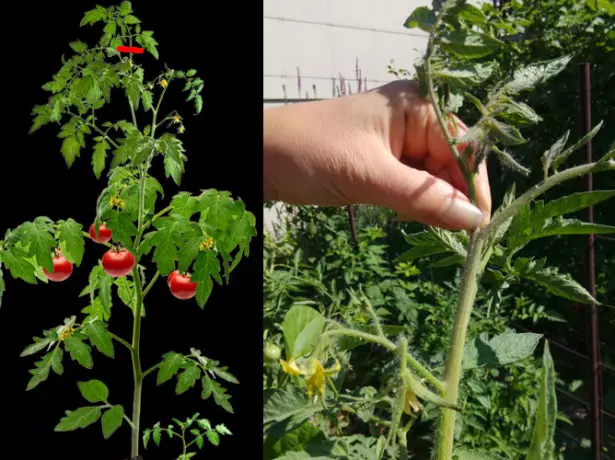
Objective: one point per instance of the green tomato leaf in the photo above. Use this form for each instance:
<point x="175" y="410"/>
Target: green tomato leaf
<point x="221" y="398"/>
<point x="561" y="157"/>
<point x="111" y="420"/>
<point x="501" y="350"/>
<point x="80" y="418"/>
<point x="2" y="284"/>
<point x="561" y="284"/>
<point x="36" y="235"/>
<point x="78" y="46"/>
<point x="529" y="77"/>
<point x="126" y="292"/>
<point x="100" y="338"/>
<point x="302" y="326"/>
<point x="52" y="360"/>
<point x="289" y="405"/>
<point x="467" y="75"/>
<point x="203" y="291"/>
<point x="94" y="391"/>
<point x="506" y="134"/>
<point x="38" y="345"/>
<point x="99" y="156"/>
<point x="170" y="366"/>
<point x="125" y="8"/>
<point x="517" y="113"/>
<point x="472" y="14"/>
<point x="79" y="351"/>
<point x="543" y="445"/>
<point x="213" y="437"/>
<point x="15" y="259"/>
<point x="147" y="41"/>
<point x="93" y="16"/>
<point x="147" y="100"/>
<point x="422" y="18"/>
<point x="70" y="149"/>
<point x="70" y="234"/>
<point x="146" y="435"/>
<point x="106" y="281"/>
<point x="187" y="379"/>
<point x="469" y="44"/>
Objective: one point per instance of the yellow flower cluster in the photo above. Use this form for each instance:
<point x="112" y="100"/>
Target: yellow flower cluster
<point x="207" y="244"/>
<point x="315" y="374"/>
<point x="65" y="333"/>
<point x="164" y="83"/>
<point x="117" y="202"/>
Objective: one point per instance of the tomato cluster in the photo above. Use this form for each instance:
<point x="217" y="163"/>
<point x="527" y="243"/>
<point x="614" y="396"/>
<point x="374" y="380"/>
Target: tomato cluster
<point x="118" y="262"/>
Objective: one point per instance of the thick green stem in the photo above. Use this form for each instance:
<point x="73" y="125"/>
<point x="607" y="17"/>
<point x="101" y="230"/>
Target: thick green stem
<point x="362" y="335"/>
<point x="468" y="175"/>
<point x="136" y="332"/>
<point x="136" y="366"/>
<point x="452" y="373"/>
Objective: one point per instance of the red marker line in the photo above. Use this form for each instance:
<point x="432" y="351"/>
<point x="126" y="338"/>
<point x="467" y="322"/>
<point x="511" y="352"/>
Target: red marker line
<point x="130" y="49"/>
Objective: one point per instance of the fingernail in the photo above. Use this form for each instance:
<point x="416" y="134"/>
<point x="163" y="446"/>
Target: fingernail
<point x="463" y="214"/>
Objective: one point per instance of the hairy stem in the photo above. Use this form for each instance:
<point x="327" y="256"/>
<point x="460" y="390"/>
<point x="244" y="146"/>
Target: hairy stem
<point x="136" y="365"/>
<point x="452" y="373"/>
<point x="423" y="372"/>
<point x="386" y="343"/>
<point x="468" y="175"/>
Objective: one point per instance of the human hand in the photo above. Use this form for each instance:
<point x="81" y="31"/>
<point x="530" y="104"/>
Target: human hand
<point x="382" y="147"/>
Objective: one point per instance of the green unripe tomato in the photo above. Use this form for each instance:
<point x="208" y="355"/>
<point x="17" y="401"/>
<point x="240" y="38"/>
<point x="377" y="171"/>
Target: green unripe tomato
<point x="271" y="352"/>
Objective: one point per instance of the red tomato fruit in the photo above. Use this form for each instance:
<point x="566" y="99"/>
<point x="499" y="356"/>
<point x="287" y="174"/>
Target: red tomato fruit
<point x="182" y="287"/>
<point x="171" y="276"/>
<point x="118" y="263"/>
<point x="104" y="234"/>
<point x="62" y="269"/>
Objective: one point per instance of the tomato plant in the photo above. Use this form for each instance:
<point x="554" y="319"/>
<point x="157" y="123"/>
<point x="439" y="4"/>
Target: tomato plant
<point x="205" y="234"/>
<point x="439" y="375"/>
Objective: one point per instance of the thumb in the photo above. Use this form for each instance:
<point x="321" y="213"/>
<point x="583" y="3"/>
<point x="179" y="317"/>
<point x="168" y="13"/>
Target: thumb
<point x="419" y="196"/>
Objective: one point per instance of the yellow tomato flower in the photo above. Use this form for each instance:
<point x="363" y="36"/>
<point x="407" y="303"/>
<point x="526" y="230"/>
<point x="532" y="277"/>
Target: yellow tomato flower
<point x="117" y="202"/>
<point x="412" y="405"/>
<point x="164" y="83"/>
<point x="315" y="374"/>
<point x="176" y="119"/>
<point x="65" y="332"/>
<point x="291" y="367"/>
<point x="181" y="129"/>
<point x="316" y="381"/>
<point x="207" y="244"/>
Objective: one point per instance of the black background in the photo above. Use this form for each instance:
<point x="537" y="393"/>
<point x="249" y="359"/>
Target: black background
<point x="223" y="146"/>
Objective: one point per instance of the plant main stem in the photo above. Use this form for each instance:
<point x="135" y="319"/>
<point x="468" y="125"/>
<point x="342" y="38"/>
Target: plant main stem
<point x="137" y="371"/>
<point x="136" y="367"/>
<point x="452" y="373"/>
